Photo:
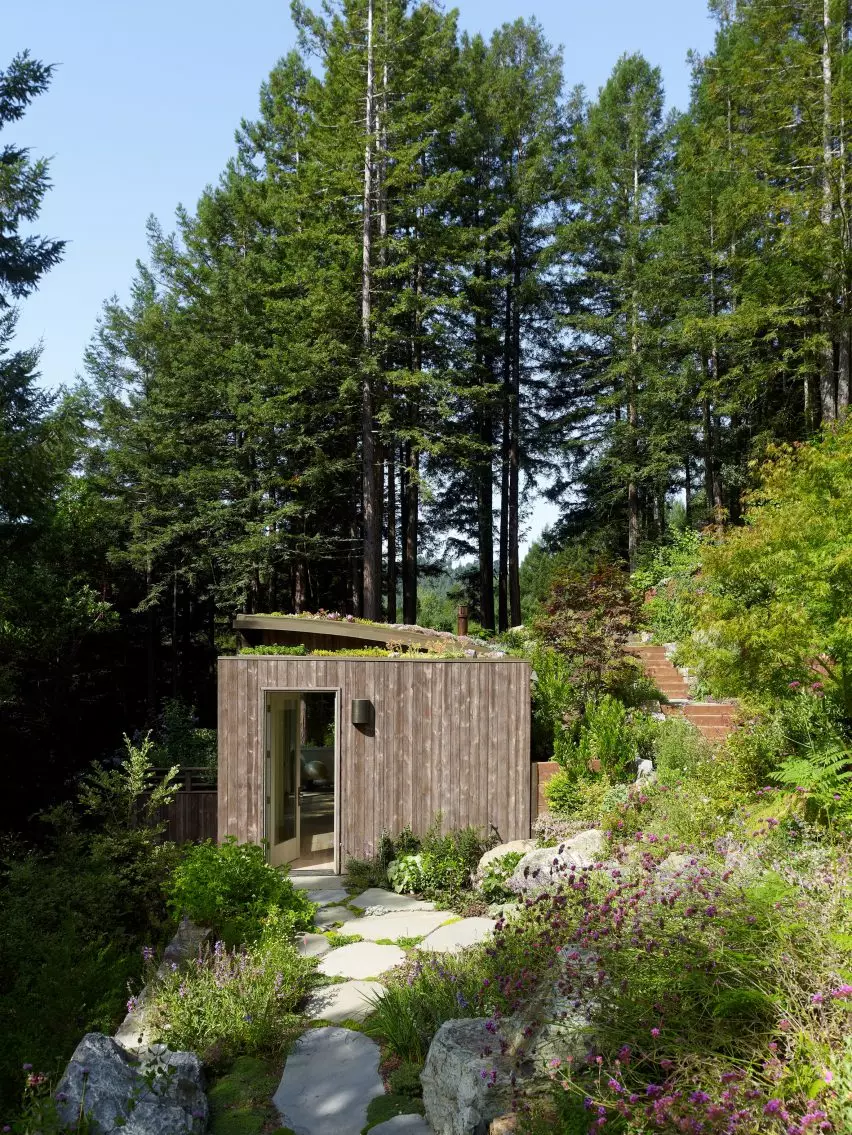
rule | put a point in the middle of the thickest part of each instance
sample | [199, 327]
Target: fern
[826, 775]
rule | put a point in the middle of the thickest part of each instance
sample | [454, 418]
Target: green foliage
[562, 793]
[405, 874]
[666, 582]
[178, 740]
[76, 914]
[405, 1079]
[492, 881]
[295, 650]
[776, 593]
[448, 862]
[230, 887]
[382, 1108]
[236, 1003]
[554, 699]
[128, 797]
[240, 1099]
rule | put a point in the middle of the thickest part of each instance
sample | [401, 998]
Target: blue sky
[142, 112]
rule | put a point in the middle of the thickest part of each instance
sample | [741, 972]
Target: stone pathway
[329, 1079]
[389, 900]
[399, 924]
[346, 1001]
[458, 935]
[361, 959]
[332, 1073]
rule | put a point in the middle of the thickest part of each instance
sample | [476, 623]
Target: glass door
[283, 777]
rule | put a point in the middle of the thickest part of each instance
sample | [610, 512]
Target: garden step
[458, 935]
[360, 960]
[346, 1001]
[328, 1081]
[399, 924]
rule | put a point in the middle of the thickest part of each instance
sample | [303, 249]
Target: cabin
[319, 754]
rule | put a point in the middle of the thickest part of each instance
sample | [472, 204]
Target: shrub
[231, 888]
[237, 1002]
[715, 1006]
[562, 793]
[76, 914]
[775, 594]
[491, 884]
[666, 584]
[587, 619]
[180, 742]
[406, 874]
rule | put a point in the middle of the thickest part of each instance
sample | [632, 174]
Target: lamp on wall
[362, 711]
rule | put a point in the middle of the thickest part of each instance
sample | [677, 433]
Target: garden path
[332, 1073]
[715, 720]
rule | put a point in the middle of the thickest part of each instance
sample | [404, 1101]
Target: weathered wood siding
[541, 772]
[450, 736]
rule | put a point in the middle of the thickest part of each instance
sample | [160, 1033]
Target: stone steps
[714, 720]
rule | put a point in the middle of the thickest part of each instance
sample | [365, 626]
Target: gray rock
[522, 845]
[550, 866]
[465, 1085]
[328, 1081]
[113, 1088]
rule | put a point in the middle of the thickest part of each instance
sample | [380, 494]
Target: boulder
[549, 866]
[159, 1093]
[522, 845]
[466, 1081]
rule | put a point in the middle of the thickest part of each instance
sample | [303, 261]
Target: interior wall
[449, 736]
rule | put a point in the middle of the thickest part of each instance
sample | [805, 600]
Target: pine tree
[607, 238]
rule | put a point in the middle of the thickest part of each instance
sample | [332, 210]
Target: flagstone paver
[312, 945]
[458, 935]
[403, 1125]
[326, 881]
[328, 1081]
[325, 896]
[361, 959]
[326, 916]
[348, 1001]
[389, 900]
[399, 924]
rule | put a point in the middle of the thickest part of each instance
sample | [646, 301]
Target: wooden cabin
[319, 755]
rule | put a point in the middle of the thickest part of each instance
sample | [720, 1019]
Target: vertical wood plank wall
[450, 736]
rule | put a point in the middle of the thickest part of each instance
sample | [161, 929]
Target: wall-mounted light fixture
[362, 711]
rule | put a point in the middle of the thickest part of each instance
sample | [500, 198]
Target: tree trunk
[687, 492]
[843, 375]
[485, 471]
[828, 394]
[391, 525]
[505, 460]
[711, 478]
[410, 534]
[371, 500]
[300, 573]
[515, 462]
[631, 391]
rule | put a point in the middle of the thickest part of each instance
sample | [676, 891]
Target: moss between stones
[241, 1100]
[382, 1108]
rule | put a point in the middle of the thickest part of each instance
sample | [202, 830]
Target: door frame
[297, 691]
